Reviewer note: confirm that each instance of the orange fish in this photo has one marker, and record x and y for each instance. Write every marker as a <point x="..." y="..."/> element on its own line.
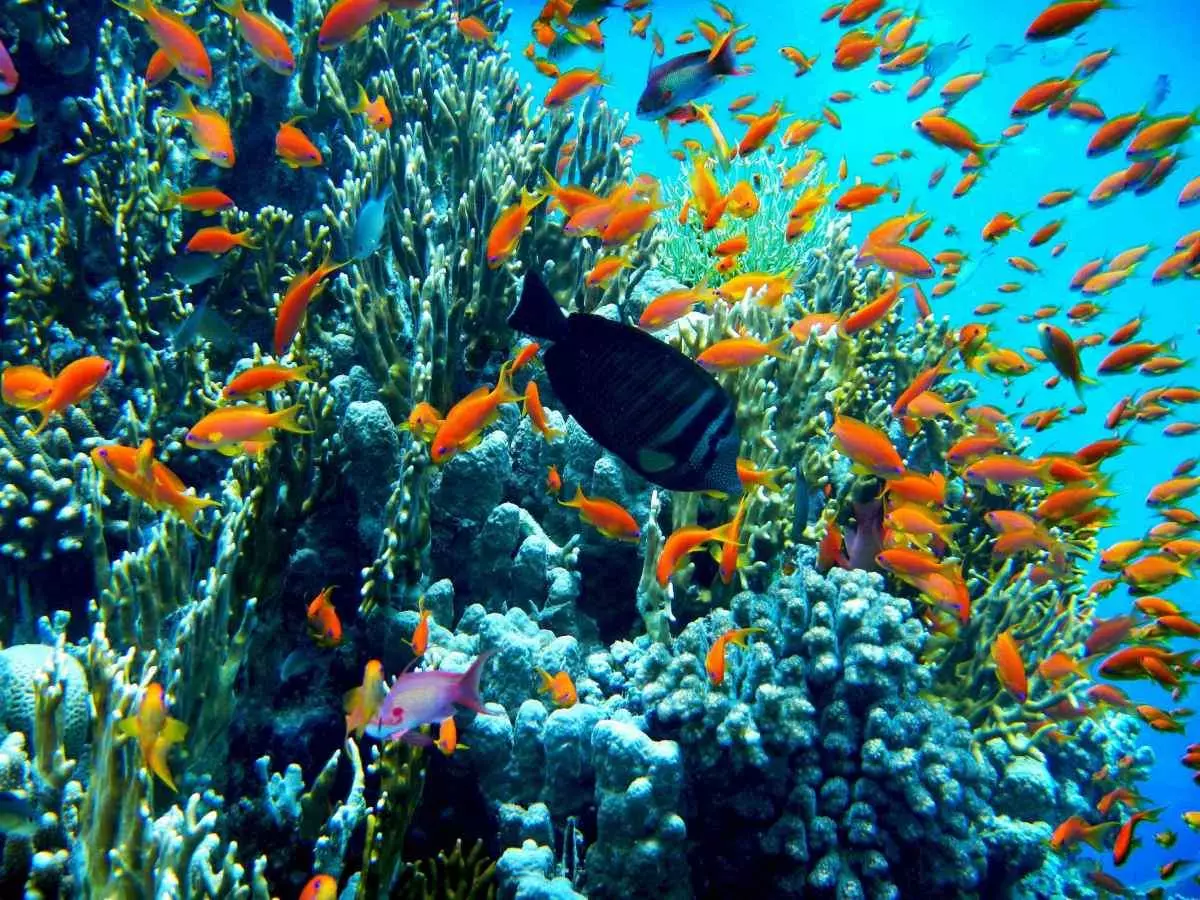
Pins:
<point x="376" y="111"/>
<point x="553" y="481"/>
<point x="608" y="517"/>
<point x="305" y="287"/>
<point x="751" y="476"/>
<point x="423" y="421"/>
<point x="217" y="240"/>
<point x="605" y="269"/>
<point x="524" y="356"/>
<point x="225" y="430"/>
<point x="714" y="660"/>
<point x="532" y="407"/>
<point x="867" y="447"/>
<point x="199" y="199"/>
<point x="362" y="703"/>
<point x="267" y="377"/>
<point x="156" y="732"/>
<point x="72" y="385"/>
<point x="863" y="195"/>
<point x="686" y="540"/>
<point x="209" y="130"/>
<point x="175" y="38"/>
<point x="1076" y="829"/>
<point x="138" y="473"/>
<point x="25" y="387"/>
<point x="1010" y="668"/>
<point x="474" y="29"/>
<point x="571" y="84"/>
<point x="506" y="232"/>
<point x="464" y="424"/>
<point x="347" y="20"/>
<point x="1125" y="842"/>
<point x="420" y="635"/>
<point x="264" y="37"/>
<point x="737" y="353"/>
<point x="447" y="739"/>
<point x="294" y="148"/>
<point x="324" y="626"/>
<point x="560" y="687"/>
<point x="320" y="887"/>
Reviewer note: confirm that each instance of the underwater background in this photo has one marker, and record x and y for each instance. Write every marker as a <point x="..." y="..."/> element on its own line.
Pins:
<point x="321" y="576"/>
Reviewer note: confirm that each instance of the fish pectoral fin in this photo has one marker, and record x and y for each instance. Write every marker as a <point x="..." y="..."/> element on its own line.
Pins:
<point x="655" y="460"/>
<point x="174" y="731"/>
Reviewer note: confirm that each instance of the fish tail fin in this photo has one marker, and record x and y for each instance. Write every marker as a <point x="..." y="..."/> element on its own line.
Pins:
<point x="286" y="419"/>
<point x="230" y="7"/>
<point x="775" y="347"/>
<point x="739" y="636"/>
<point x="156" y="759"/>
<point x="136" y="7"/>
<point x="363" y="100"/>
<point x="722" y="59"/>
<point x="547" y="681"/>
<point x="247" y="240"/>
<point x="537" y="313"/>
<point x="467" y="693"/>
<point x="504" y="386"/>
<point x="576" y="501"/>
<point x="190" y="508"/>
<point x="45" y="414"/>
<point x="24" y="112"/>
<point x="184" y="108"/>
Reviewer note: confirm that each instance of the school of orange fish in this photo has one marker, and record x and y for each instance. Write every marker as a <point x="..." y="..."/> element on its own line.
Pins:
<point x="918" y="527"/>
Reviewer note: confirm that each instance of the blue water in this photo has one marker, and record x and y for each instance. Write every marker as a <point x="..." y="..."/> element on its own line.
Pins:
<point x="1151" y="38"/>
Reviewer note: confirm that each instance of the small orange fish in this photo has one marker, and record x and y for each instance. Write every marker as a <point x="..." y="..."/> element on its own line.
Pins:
<point x="320" y="887"/>
<point x="264" y="37"/>
<point x="25" y="387"/>
<point x="532" y="407"/>
<point x="553" y="481"/>
<point x="138" y="473"/>
<point x="324" y="626"/>
<point x="175" y="38"/>
<point x="260" y="379"/>
<point x="225" y="430"/>
<point x="376" y="111"/>
<point x="683" y="541"/>
<point x="1010" y="668"/>
<point x="474" y="29"/>
<point x="303" y="290"/>
<point x="608" y="517"/>
<point x="737" y="353"/>
<point x="447" y="739"/>
<point x="209" y="130"/>
<point x="464" y="424"/>
<point x="423" y="421"/>
<point x="867" y="447"/>
<point x="156" y="732"/>
<point x="560" y="687"/>
<point x="218" y="240"/>
<point x="510" y="224"/>
<point x="207" y="200"/>
<point x="420" y="635"/>
<point x="72" y="385"/>
<point x="714" y="660"/>
<point x="294" y="147"/>
<point x="571" y="84"/>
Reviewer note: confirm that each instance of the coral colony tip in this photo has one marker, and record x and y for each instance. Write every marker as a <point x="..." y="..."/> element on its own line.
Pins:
<point x="576" y="449"/>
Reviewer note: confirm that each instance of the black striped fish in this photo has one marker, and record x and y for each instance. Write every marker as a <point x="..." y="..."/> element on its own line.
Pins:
<point x="641" y="399"/>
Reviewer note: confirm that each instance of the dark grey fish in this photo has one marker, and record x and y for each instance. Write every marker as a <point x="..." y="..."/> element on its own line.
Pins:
<point x="17" y="814"/>
<point x="641" y="399"/>
<point x="685" y="78"/>
<point x="942" y="57"/>
<point x="368" y="227"/>
<point x="195" y="268"/>
<point x="1159" y="93"/>
<point x="1004" y="53"/>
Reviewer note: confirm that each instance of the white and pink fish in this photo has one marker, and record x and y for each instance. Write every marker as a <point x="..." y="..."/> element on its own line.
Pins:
<point x="426" y="698"/>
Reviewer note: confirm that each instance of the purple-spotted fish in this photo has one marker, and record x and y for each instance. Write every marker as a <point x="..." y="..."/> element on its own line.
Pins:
<point x="426" y="698"/>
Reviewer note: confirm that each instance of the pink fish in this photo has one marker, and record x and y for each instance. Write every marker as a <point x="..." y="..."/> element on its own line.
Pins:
<point x="8" y="72"/>
<point x="426" y="698"/>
